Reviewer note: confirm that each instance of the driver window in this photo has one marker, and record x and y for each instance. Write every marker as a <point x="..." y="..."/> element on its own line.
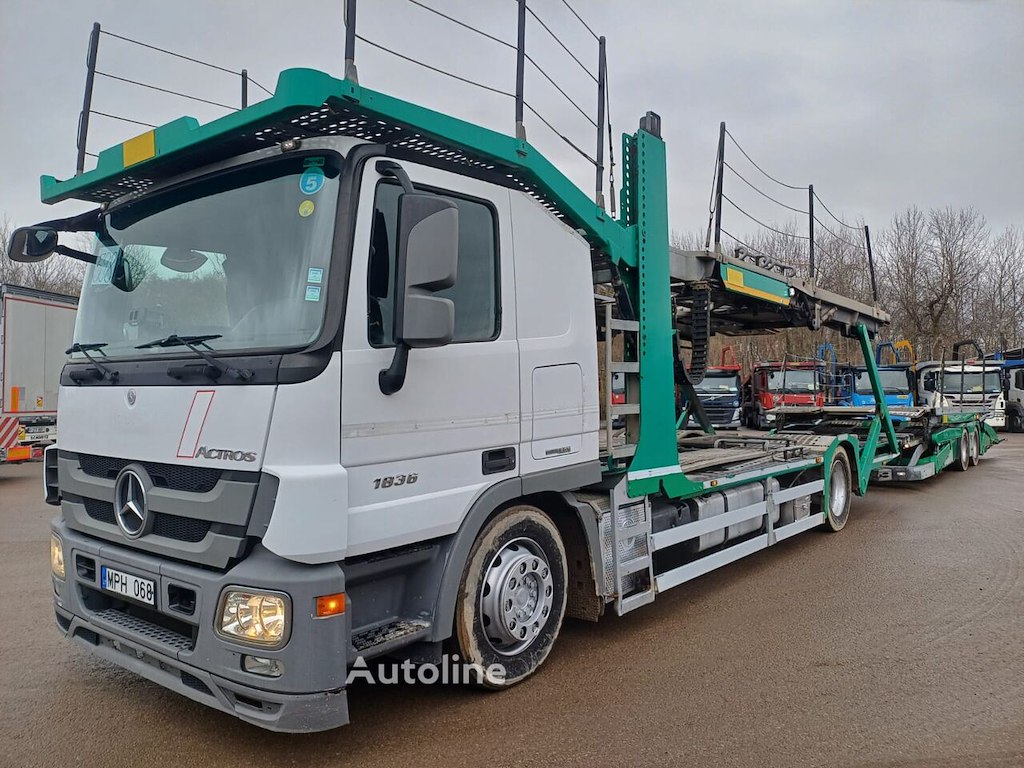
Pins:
<point x="475" y="292"/>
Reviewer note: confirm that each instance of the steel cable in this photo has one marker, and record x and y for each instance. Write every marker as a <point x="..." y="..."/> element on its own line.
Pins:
<point x="122" y="119"/>
<point x="166" y="90"/>
<point x="766" y="226"/>
<point x="840" y="221"/>
<point x="183" y="56"/>
<point x="580" y="19"/>
<point x="434" y="69"/>
<point x="764" y="194"/>
<point x="762" y="170"/>
<point x="559" y="134"/>
<point x="564" y="48"/>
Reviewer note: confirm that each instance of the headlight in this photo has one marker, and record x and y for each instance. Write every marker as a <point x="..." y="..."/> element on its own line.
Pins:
<point x="770" y="417"/>
<point x="258" y="618"/>
<point x="56" y="556"/>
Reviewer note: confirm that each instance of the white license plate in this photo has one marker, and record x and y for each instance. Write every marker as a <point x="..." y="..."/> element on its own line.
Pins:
<point x="121" y="583"/>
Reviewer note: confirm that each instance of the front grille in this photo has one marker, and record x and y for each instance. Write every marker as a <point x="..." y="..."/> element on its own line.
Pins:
<point x="720" y="414"/>
<point x="186" y="529"/>
<point x="103" y="511"/>
<point x="180" y="528"/>
<point x="176" y="477"/>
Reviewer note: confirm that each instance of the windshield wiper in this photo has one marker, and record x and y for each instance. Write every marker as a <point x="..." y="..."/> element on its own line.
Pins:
<point x="99" y="371"/>
<point x="193" y="342"/>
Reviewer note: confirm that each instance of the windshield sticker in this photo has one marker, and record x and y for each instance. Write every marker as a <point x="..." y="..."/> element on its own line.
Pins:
<point x="312" y="293"/>
<point x="306" y="208"/>
<point x="312" y="180"/>
<point x="103" y="269"/>
<point x="315" y="275"/>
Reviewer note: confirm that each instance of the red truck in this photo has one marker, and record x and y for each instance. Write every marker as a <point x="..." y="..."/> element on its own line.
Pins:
<point x="772" y="384"/>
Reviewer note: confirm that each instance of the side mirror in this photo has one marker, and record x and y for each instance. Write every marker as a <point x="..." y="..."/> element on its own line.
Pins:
<point x="31" y="244"/>
<point x="426" y="263"/>
<point x="428" y="257"/>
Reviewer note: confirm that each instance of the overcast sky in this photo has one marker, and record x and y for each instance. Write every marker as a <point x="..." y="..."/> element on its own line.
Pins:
<point x="880" y="104"/>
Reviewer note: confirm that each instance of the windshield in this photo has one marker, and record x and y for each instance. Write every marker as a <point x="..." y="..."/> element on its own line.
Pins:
<point x="241" y="258"/>
<point x="793" y="381"/>
<point x="719" y="384"/>
<point x="893" y="382"/>
<point x="968" y="382"/>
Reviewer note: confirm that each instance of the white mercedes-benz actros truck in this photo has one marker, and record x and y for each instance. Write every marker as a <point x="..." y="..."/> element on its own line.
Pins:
<point x="341" y="389"/>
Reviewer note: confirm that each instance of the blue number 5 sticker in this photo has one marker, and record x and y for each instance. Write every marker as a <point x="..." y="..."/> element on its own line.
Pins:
<point x="311" y="181"/>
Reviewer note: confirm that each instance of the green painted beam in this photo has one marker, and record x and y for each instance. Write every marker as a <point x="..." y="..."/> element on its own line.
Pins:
<point x="881" y="407"/>
<point x="657" y="452"/>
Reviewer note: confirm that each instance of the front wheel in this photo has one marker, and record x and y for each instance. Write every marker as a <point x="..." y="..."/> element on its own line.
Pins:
<point x="512" y="597"/>
<point x="839" y="492"/>
<point x="1014" y="422"/>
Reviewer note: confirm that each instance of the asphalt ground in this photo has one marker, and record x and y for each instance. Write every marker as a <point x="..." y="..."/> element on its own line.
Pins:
<point x="898" y="642"/>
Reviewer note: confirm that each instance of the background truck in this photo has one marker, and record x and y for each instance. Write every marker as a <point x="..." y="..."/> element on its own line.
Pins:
<point x="719" y="393"/>
<point x="958" y="382"/>
<point x="895" y="362"/>
<point x="35" y="331"/>
<point x="774" y="384"/>
<point x="346" y="349"/>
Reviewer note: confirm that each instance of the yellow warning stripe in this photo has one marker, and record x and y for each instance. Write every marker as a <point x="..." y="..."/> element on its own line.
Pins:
<point x="734" y="281"/>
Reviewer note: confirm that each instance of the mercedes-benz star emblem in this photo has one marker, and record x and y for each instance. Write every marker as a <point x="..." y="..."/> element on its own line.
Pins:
<point x="131" y="397"/>
<point x="130" y="506"/>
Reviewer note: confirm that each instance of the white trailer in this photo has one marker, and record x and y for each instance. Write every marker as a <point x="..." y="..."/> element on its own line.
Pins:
<point x="35" y="331"/>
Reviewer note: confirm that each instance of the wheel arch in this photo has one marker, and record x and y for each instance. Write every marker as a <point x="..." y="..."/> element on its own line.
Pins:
<point x="549" y="492"/>
<point x="853" y="455"/>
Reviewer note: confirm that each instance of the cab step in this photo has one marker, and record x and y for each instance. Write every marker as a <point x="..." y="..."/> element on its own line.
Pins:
<point x="384" y="638"/>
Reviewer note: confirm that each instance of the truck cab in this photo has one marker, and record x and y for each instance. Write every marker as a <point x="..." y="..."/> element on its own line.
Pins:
<point x="897" y="382"/>
<point x="950" y="383"/>
<point x="774" y="384"/>
<point x="719" y="394"/>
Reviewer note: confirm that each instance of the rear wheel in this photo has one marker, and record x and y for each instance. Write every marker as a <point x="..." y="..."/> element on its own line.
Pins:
<point x="838" y="492"/>
<point x="962" y="460"/>
<point x="512" y="597"/>
<point x="974" y="454"/>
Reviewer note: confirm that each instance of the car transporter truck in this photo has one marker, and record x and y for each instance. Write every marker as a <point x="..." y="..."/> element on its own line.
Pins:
<point x="345" y="349"/>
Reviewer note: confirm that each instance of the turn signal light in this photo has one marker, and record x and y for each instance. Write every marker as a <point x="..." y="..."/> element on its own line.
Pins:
<point x="330" y="605"/>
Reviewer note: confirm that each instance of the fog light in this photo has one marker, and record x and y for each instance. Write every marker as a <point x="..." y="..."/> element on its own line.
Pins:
<point x="259" y="618"/>
<point x="259" y="665"/>
<point x="56" y="556"/>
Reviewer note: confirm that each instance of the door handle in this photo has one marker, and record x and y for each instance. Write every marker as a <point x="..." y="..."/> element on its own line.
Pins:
<point x="498" y="460"/>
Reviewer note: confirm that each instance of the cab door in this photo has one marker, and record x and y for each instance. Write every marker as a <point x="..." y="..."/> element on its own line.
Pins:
<point x="418" y="458"/>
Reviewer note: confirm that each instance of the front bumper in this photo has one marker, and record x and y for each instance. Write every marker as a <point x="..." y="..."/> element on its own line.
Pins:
<point x="996" y="419"/>
<point x="720" y="417"/>
<point x="174" y="643"/>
